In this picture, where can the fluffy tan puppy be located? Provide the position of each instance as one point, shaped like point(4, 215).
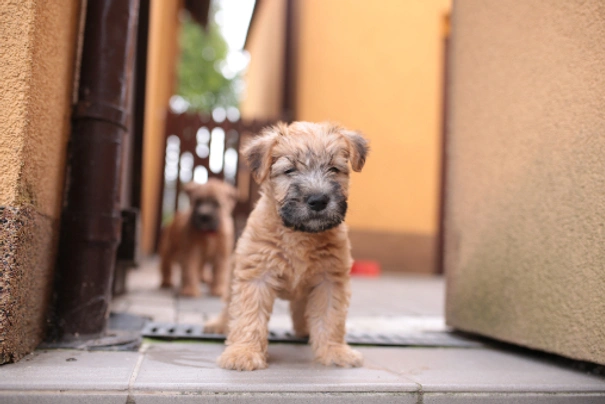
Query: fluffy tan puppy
point(202, 234)
point(295, 244)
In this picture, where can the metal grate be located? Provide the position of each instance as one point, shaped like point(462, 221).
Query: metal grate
point(424, 339)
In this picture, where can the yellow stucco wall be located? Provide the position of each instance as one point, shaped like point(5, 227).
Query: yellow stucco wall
point(36, 66)
point(39, 40)
point(15, 26)
point(263, 99)
point(161, 63)
point(377, 67)
point(525, 254)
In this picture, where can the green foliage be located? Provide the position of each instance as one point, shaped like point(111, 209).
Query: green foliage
point(200, 81)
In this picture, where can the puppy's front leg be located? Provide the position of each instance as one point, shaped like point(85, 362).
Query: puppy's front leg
point(190, 281)
point(250, 307)
point(327, 312)
point(166, 268)
point(220, 274)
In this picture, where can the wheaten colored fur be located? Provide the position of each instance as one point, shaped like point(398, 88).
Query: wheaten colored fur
point(291, 252)
point(192, 248)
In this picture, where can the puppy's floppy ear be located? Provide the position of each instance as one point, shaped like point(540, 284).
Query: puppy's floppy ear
point(258, 151)
point(358, 149)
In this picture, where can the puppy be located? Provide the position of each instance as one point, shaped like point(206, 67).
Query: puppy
point(295, 244)
point(202, 234)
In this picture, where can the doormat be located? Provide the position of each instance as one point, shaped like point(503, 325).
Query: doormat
point(168, 331)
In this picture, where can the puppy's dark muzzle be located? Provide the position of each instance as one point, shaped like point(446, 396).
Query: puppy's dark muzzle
point(204, 222)
point(318, 202)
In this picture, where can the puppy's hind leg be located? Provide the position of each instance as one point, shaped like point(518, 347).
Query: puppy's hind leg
point(219, 324)
point(190, 274)
point(298, 309)
point(166, 257)
point(327, 311)
point(221, 269)
point(166, 268)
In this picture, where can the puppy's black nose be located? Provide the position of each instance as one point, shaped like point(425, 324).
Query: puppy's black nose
point(318, 202)
point(205, 218)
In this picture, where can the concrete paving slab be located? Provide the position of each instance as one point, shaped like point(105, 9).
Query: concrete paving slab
point(152, 299)
point(203, 304)
point(513, 398)
point(147, 276)
point(69, 370)
point(192, 367)
point(483, 370)
point(63, 397)
point(120, 305)
point(189, 317)
point(397, 295)
point(395, 324)
point(166, 313)
point(277, 398)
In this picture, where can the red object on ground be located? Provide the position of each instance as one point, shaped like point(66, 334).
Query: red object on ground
point(365, 268)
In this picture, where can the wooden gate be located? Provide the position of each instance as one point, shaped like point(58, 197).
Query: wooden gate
point(198, 147)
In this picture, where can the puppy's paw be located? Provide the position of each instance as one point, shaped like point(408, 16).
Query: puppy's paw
point(219, 291)
point(340, 355)
point(190, 291)
point(216, 325)
point(166, 285)
point(242, 357)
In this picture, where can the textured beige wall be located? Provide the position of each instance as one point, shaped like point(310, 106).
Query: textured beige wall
point(525, 246)
point(36, 59)
point(36, 69)
point(16, 23)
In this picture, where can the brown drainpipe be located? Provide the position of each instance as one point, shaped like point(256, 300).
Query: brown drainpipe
point(91, 218)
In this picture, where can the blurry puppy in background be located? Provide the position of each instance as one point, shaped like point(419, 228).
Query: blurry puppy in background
point(202, 234)
point(295, 245)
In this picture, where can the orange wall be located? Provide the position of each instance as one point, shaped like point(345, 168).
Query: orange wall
point(263, 97)
point(161, 62)
point(377, 67)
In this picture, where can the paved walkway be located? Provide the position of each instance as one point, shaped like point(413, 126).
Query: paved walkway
point(387, 303)
point(185, 372)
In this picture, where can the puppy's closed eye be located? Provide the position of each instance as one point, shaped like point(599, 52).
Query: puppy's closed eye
point(290, 170)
